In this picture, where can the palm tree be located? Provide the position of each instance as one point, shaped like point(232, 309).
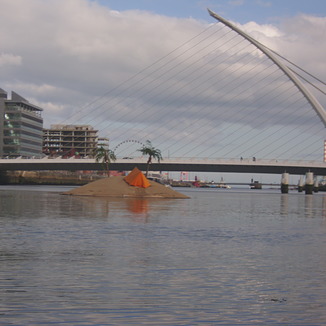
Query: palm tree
point(152, 152)
point(105, 156)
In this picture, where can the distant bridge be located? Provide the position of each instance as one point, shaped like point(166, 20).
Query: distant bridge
point(186, 165)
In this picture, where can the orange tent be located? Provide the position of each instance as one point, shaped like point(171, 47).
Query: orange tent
point(137, 179)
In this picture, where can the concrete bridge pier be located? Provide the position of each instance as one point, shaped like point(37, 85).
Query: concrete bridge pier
point(300, 184)
point(309, 187)
point(285, 183)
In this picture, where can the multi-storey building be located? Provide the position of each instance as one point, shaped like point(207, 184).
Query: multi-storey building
point(69, 140)
point(21, 127)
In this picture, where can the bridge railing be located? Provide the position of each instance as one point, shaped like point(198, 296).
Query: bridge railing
point(172, 160)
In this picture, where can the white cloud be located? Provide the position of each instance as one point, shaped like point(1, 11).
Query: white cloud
point(268, 31)
point(9, 60)
point(68, 53)
point(304, 42)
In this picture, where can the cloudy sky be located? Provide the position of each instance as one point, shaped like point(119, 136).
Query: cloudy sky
point(150, 69)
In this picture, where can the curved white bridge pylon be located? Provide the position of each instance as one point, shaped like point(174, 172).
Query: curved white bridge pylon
point(310, 98)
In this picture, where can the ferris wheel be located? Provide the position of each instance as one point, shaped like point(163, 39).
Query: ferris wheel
point(126, 148)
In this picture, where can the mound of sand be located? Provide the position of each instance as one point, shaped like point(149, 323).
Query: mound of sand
point(118, 187)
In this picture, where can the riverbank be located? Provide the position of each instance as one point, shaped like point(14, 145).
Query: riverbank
point(49, 177)
point(65, 178)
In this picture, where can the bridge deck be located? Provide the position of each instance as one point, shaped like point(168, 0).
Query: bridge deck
point(191, 165)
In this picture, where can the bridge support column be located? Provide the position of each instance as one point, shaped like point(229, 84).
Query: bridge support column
point(300, 185)
point(309, 183)
point(285, 183)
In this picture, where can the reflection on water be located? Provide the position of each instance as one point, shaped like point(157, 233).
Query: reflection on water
point(74, 206)
point(221, 257)
point(138, 206)
point(306, 205)
point(137, 209)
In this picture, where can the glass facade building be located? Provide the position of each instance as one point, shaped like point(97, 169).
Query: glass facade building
point(21, 127)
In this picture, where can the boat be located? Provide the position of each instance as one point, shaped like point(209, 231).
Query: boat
point(255, 185)
point(224, 186)
point(221, 184)
point(157, 177)
point(322, 184)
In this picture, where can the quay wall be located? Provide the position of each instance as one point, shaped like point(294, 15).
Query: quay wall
point(47, 177)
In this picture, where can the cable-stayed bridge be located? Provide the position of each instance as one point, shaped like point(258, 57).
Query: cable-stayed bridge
point(221, 96)
point(218, 95)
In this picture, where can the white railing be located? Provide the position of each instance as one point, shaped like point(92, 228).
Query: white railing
point(177, 160)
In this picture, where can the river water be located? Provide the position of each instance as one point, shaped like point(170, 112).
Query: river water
point(222, 257)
